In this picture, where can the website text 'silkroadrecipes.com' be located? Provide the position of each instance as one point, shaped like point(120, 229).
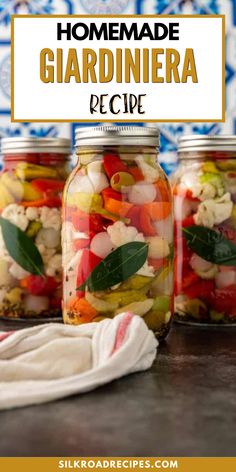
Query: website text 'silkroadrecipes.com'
point(119, 464)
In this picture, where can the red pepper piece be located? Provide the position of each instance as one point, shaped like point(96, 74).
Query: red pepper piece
point(157, 263)
point(134, 216)
point(80, 243)
point(224, 300)
point(84, 222)
point(88, 262)
point(80, 221)
point(228, 232)
point(189, 279)
point(136, 173)
point(188, 221)
point(201, 289)
point(185, 193)
point(83, 242)
point(51, 202)
point(146, 225)
point(110, 193)
point(112, 164)
point(39, 285)
point(48, 185)
point(96, 223)
point(55, 303)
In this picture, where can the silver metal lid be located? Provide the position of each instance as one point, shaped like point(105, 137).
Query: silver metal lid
point(197, 143)
point(18, 145)
point(117, 136)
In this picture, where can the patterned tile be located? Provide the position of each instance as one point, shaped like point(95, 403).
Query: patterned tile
point(169, 133)
point(104, 7)
point(5, 66)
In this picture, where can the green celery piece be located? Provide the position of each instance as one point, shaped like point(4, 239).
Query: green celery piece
point(161, 303)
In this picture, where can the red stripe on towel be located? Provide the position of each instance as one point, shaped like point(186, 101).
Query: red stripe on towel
point(121, 331)
point(5, 335)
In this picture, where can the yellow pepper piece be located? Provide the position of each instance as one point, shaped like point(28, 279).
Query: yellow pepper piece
point(125, 298)
point(87, 202)
point(137, 282)
point(13, 185)
point(30, 193)
point(5, 196)
point(210, 167)
point(26, 171)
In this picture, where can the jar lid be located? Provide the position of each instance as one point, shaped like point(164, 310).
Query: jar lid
point(196, 143)
point(18, 145)
point(117, 135)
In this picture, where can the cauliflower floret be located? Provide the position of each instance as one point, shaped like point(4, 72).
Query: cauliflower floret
point(212, 212)
point(50, 218)
point(54, 266)
point(49, 237)
point(150, 173)
point(17, 272)
point(203, 185)
point(206, 191)
point(32, 213)
point(16, 215)
point(190, 180)
point(146, 270)
point(121, 234)
point(45, 252)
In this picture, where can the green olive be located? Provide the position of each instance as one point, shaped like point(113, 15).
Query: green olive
point(120, 180)
point(154, 319)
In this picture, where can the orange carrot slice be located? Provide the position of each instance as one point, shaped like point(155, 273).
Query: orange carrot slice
point(158, 210)
point(116, 206)
point(82, 309)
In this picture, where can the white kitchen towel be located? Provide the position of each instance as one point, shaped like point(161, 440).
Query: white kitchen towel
point(53, 361)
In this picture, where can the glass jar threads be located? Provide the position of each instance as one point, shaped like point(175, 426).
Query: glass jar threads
point(117, 229)
point(31, 185)
point(205, 230)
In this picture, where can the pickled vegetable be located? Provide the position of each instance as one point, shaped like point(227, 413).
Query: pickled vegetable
point(118, 240)
point(31, 188)
point(205, 261)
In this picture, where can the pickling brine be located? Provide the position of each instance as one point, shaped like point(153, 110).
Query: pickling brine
point(205, 230)
point(117, 230)
point(31, 185)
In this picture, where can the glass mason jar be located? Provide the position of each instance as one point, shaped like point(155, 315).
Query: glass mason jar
point(31, 185)
point(204, 190)
point(118, 230)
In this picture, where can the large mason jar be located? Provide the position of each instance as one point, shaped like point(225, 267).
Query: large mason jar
point(31, 185)
point(117, 229)
point(205, 230)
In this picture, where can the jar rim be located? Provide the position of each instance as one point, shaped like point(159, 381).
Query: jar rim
point(22, 145)
point(191, 143)
point(117, 135)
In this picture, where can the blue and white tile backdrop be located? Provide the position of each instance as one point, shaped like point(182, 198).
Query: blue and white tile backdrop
point(169, 132)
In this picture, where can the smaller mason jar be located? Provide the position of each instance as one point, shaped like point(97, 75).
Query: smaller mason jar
point(117, 229)
point(31, 185)
point(204, 188)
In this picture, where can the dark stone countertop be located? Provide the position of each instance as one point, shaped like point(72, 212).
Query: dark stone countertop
point(184, 406)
